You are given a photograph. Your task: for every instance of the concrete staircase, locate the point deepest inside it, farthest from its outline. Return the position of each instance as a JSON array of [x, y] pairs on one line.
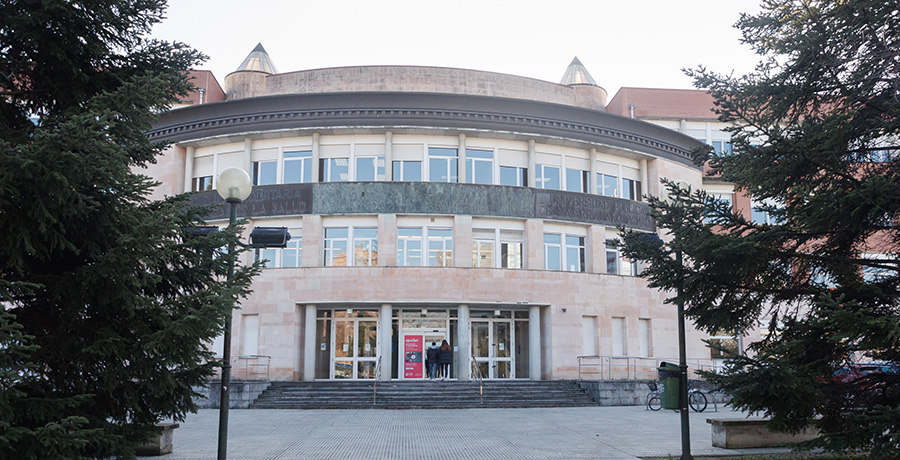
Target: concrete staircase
[[422, 395]]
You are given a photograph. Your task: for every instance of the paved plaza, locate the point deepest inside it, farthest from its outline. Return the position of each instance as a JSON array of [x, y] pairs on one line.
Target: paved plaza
[[447, 434]]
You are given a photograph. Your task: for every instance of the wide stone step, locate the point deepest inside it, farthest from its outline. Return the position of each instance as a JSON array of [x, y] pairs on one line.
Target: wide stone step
[[422, 394]]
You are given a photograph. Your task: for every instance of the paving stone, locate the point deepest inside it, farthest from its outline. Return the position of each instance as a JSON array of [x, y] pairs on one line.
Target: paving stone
[[448, 434]]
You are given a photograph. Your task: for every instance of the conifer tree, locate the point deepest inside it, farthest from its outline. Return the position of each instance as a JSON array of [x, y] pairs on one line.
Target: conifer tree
[[817, 147], [109, 304]]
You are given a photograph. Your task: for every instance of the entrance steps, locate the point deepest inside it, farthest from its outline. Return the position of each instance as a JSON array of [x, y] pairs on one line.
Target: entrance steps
[[422, 395]]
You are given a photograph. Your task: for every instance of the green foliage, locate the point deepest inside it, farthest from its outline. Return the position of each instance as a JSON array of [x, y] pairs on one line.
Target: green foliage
[[814, 122], [109, 304]]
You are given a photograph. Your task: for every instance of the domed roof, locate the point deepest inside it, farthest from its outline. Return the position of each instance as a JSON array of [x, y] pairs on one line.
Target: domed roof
[[576, 74], [258, 61]]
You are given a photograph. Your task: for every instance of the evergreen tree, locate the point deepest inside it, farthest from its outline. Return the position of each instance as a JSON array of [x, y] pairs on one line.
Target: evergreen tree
[[109, 304], [817, 142]]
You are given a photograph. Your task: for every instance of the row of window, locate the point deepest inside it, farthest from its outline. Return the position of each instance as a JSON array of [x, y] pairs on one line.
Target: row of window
[[441, 166], [433, 247]]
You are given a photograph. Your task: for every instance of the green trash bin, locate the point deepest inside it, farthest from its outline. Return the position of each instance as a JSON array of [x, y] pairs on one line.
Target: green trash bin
[[669, 383]]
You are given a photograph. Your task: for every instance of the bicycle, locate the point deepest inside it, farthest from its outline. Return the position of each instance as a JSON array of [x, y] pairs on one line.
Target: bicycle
[[696, 398], [653, 401]]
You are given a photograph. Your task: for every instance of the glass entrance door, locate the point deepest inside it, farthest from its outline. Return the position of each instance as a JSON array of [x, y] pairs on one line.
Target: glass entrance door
[[492, 347], [355, 348]]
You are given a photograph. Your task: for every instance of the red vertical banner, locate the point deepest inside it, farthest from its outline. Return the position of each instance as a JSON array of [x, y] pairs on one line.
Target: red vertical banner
[[413, 367]]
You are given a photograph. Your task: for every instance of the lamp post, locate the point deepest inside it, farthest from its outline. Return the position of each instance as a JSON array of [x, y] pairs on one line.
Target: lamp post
[[233, 185], [682, 351]]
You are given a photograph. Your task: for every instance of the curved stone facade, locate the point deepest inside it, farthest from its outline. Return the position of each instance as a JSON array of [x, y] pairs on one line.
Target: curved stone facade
[[434, 204]]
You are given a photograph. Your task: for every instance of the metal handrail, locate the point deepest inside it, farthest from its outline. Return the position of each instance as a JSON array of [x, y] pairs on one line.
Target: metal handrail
[[250, 367], [476, 373], [377, 378], [625, 367]]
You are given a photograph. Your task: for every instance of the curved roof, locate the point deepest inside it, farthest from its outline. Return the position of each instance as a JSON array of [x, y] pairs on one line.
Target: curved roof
[[577, 74], [258, 61]]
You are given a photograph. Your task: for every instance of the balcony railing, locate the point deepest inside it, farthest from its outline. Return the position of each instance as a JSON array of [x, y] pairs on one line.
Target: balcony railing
[[607, 367]]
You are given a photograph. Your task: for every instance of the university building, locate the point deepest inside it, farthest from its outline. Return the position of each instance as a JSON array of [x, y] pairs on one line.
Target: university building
[[429, 204]]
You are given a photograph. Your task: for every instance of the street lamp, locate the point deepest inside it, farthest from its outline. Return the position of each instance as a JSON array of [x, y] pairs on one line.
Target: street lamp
[[681, 187], [233, 185]]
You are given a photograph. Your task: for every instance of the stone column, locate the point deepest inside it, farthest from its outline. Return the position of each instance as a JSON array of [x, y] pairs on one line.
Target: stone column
[[534, 342], [534, 244], [532, 164], [387, 240], [188, 167], [461, 160], [315, 157], [462, 241], [384, 340], [309, 344], [313, 247], [592, 180], [248, 156], [464, 342], [645, 190], [388, 156], [596, 262]]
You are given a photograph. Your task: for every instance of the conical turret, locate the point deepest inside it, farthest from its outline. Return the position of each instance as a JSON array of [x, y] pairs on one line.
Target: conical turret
[[258, 61], [576, 74]]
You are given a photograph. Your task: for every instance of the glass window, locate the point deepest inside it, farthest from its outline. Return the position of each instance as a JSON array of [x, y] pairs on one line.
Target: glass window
[[201, 184], [722, 147], [479, 166], [369, 169], [513, 176], [334, 170], [297, 167], [612, 261], [511, 244], [409, 247], [724, 344], [265, 172], [618, 264], [267, 255], [574, 253], [546, 177], [365, 246], [631, 189], [336, 247], [762, 217], [577, 180], [607, 185], [485, 244], [407, 171], [291, 255], [483, 253], [442, 165], [552, 251], [722, 198], [440, 247]]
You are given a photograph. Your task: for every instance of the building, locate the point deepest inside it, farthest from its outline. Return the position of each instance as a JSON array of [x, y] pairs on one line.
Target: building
[[429, 204]]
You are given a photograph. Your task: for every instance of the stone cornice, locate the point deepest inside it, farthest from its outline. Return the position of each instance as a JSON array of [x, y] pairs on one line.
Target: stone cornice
[[387, 110]]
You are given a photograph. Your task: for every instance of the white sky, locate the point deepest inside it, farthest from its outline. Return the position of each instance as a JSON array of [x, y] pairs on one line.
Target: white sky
[[639, 43]]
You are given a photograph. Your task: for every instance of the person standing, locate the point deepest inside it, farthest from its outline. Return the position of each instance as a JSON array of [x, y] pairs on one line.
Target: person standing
[[445, 358], [432, 357]]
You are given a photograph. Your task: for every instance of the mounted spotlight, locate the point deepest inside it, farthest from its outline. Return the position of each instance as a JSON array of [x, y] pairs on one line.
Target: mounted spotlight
[[269, 237]]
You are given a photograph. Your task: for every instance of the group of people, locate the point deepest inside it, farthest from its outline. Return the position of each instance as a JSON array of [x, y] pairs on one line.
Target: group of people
[[438, 360]]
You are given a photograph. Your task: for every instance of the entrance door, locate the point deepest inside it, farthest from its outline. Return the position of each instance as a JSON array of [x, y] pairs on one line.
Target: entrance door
[[415, 347], [355, 348], [492, 347]]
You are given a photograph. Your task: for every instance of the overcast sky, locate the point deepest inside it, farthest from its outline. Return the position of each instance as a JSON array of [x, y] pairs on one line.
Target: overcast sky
[[639, 43]]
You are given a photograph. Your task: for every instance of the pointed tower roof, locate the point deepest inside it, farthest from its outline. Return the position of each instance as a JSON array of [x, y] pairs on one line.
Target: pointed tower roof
[[576, 74], [258, 61]]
